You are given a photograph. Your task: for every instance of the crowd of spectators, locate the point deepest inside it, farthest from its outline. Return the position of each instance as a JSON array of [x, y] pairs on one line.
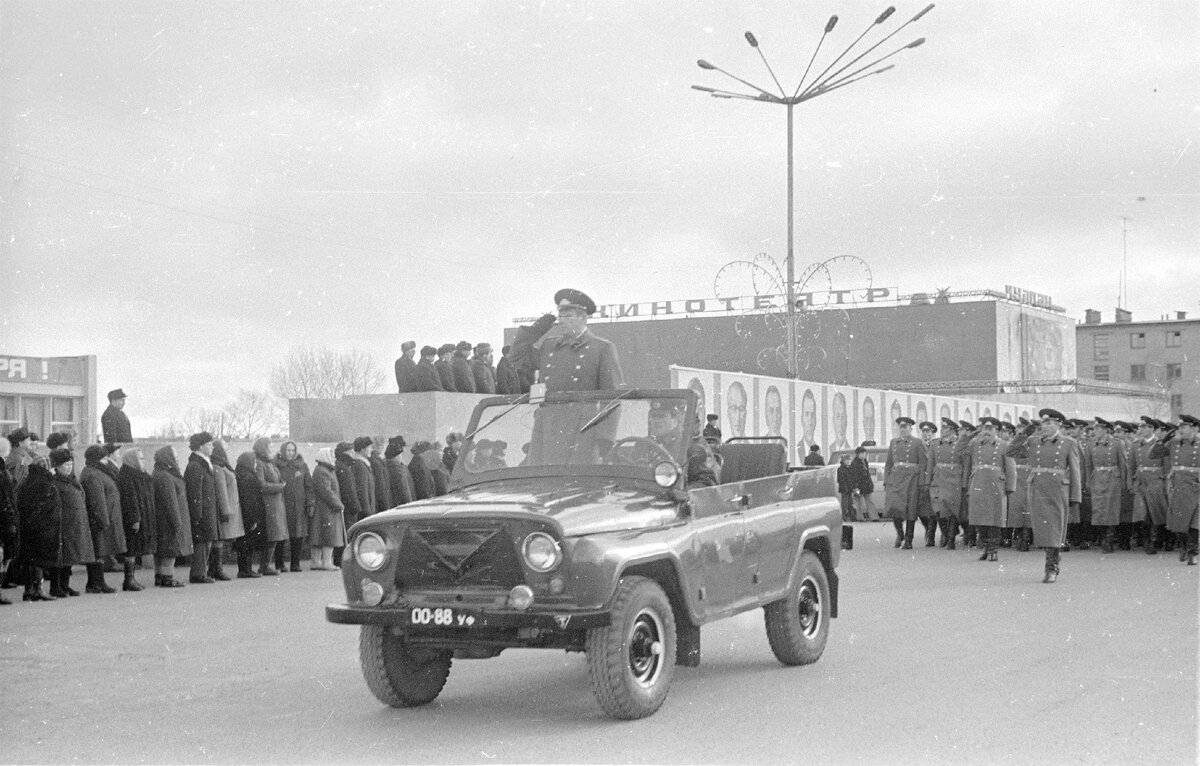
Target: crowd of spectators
[[267, 507]]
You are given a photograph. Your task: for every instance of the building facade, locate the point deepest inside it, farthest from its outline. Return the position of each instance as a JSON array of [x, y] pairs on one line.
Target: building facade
[[48, 394], [1162, 354]]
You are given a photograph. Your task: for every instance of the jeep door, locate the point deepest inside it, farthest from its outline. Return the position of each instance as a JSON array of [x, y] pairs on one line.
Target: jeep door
[[719, 545]]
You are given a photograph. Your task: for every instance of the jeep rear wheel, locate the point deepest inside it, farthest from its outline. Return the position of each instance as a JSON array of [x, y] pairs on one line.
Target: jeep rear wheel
[[631, 661], [397, 674], [798, 625]]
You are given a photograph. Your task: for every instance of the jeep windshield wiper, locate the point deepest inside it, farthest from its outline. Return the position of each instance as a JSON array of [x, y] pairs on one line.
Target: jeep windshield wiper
[[521, 400], [603, 413]]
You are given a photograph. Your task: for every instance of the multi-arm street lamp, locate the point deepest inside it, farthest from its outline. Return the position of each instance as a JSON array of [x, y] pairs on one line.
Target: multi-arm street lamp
[[826, 82]]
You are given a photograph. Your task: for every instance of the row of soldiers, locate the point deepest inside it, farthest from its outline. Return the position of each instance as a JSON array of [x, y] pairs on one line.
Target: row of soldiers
[[1051, 484]]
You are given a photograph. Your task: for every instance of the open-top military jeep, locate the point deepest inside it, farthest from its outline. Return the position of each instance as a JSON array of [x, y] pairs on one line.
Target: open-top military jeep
[[570, 524]]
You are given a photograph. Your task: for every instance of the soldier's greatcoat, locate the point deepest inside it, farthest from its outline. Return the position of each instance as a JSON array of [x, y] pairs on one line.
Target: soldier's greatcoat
[[945, 477], [906, 464], [1107, 476], [993, 475], [1149, 479], [1183, 486], [1055, 481], [1018, 501]]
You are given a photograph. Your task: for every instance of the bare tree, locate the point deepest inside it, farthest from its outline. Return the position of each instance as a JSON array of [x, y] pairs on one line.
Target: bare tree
[[251, 414], [193, 421], [322, 373]]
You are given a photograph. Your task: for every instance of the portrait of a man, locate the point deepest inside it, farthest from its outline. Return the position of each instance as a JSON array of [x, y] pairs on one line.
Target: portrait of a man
[[773, 411], [868, 419], [735, 405], [922, 412], [808, 421], [896, 411], [840, 422], [701, 403], [944, 411]]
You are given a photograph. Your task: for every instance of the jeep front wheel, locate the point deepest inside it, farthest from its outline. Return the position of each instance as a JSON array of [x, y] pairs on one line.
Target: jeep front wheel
[[632, 660], [798, 625], [398, 675]]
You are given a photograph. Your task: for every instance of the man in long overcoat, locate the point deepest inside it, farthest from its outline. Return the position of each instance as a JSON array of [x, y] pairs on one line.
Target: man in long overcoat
[[1106, 475], [201, 485], [946, 481], [114, 423], [460, 366], [406, 368], [1055, 483], [1183, 490], [1148, 475], [992, 478], [906, 465]]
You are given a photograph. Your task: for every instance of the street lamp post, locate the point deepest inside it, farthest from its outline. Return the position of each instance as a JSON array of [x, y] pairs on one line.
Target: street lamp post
[[823, 83]]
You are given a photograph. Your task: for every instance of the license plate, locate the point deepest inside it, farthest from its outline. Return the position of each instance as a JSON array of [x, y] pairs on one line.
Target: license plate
[[440, 617]]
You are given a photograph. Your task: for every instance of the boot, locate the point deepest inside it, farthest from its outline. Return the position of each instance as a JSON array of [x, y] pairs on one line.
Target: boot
[[1193, 546], [294, 548], [33, 586], [1110, 540], [279, 564], [1182, 545], [215, 570], [264, 566], [245, 569], [1051, 574], [1151, 547], [327, 559], [1022, 536], [985, 542], [899, 525], [970, 535], [96, 583], [910, 526], [130, 584], [930, 524], [64, 581], [950, 533]]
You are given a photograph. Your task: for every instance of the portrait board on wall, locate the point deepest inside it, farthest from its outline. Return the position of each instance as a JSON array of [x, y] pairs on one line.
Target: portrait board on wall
[[868, 425], [841, 411]]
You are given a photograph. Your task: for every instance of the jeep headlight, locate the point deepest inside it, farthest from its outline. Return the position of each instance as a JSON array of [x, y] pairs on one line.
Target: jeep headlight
[[666, 474], [370, 551], [542, 552]]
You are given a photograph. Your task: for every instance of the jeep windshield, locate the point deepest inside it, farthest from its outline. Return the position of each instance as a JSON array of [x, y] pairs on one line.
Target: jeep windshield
[[599, 433]]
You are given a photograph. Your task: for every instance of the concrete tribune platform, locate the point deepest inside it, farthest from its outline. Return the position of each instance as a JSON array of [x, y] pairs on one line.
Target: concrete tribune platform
[[426, 416]]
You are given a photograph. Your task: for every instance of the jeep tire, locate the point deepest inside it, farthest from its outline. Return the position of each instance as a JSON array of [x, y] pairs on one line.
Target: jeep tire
[[798, 625], [632, 660], [398, 675]]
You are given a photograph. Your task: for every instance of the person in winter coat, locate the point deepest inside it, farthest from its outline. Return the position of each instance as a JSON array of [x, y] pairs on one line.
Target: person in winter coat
[[297, 502], [441, 477], [9, 531], [328, 529], [481, 369], [418, 468], [249, 490], [114, 422], [275, 515], [352, 510], [454, 443], [399, 479], [364, 476], [460, 366], [76, 542], [103, 501], [137, 509], [427, 378], [863, 484], [173, 523], [201, 484], [507, 380], [846, 487], [40, 514], [443, 367], [379, 473], [229, 505]]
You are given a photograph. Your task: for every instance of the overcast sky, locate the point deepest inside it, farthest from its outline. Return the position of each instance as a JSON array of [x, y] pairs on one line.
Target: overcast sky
[[190, 189]]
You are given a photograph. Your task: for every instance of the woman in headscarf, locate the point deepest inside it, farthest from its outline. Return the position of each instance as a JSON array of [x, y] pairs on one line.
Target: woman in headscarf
[[271, 487], [40, 514], [137, 511], [229, 506], [328, 528], [103, 500], [249, 490], [173, 522], [76, 531], [297, 501]]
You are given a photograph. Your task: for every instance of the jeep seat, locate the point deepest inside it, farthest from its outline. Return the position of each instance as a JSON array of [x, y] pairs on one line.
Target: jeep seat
[[743, 462]]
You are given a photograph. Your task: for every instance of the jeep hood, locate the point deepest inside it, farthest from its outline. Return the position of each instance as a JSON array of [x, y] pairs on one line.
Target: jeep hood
[[581, 506]]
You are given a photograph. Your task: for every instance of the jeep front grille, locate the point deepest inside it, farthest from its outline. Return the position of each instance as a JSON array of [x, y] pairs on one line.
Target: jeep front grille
[[450, 556]]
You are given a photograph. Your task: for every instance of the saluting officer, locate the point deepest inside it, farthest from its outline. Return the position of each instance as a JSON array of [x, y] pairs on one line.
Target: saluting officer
[[1183, 492], [925, 510], [902, 475], [946, 481], [1148, 475], [1105, 473], [992, 478], [1054, 483], [575, 361]]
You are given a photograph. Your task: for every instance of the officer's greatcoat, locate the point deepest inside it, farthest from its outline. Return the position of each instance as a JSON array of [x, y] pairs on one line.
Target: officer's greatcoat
[[565, 363], [1183, 486], [945, 477], [1149, 479], [1107, 478], [993, 476], [906, 464], [1054, 483]]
